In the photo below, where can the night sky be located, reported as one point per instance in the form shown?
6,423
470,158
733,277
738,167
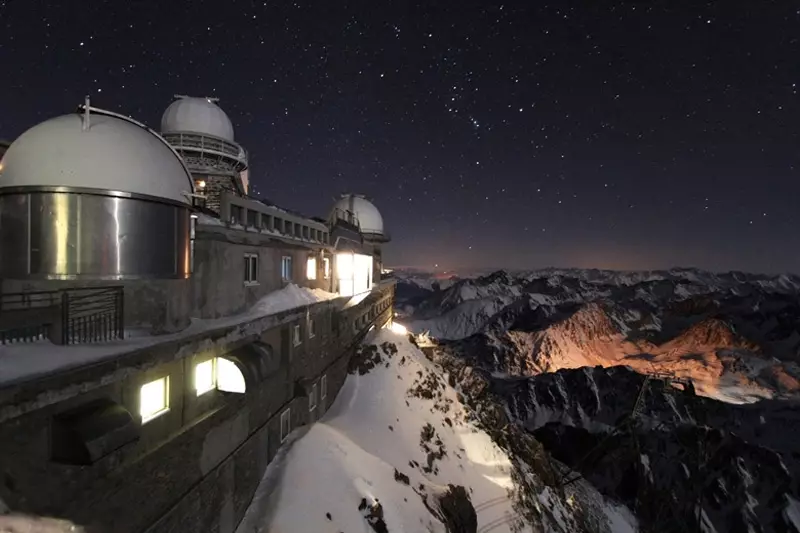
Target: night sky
520,134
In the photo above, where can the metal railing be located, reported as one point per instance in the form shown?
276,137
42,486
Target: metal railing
67,316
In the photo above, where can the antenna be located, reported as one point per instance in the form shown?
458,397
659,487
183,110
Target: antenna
86,114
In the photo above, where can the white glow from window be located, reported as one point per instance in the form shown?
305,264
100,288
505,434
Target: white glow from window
400,329
154,399
229,377
204,377
311,268
354,272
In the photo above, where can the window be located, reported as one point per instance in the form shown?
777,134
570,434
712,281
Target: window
312,398
323,387
154,399
288,227
311,328
228,376
286,268
278,224
311,268
326,265
286,423
252,218
205,377
236,214
296,339
266,222
250,269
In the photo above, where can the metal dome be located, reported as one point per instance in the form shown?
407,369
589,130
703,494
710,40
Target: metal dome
112,153
197,115
369,218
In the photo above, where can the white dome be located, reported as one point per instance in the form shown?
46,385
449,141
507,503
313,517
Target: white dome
113,154
369,217
197,115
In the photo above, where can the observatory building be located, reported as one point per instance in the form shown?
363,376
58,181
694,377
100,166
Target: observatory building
202,134
3,147
161,331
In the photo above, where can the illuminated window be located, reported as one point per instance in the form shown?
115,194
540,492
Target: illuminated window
323,387
311,268
312,398
204,377
286,268
250,269
326,266
296,339
229,377
154,399
311,328
286,423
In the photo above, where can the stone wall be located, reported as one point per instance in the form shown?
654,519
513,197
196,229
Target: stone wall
195,467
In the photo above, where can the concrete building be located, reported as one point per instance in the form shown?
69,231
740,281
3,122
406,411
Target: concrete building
147,375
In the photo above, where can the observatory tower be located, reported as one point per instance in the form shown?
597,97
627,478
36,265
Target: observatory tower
202,134
355,210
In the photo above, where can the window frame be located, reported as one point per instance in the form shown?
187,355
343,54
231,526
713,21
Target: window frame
287,260
326,268
311,328
286,416
164,410
297,336
251,261
312,398
323,387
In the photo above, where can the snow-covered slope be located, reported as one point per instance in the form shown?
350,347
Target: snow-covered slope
391,453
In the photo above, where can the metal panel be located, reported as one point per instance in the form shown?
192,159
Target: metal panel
90,236
14,234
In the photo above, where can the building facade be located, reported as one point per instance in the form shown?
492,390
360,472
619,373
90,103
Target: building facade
147,376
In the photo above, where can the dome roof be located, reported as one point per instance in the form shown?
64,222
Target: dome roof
113,154
369,217
197,115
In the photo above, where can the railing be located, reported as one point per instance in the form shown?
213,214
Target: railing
67,316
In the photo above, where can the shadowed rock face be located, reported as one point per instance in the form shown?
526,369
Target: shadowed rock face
457,511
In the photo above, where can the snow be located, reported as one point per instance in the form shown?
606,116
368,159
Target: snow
372,430
289,297
353,449
26,360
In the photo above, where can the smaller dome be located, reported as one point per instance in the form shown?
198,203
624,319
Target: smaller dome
112,154
369,218
197,115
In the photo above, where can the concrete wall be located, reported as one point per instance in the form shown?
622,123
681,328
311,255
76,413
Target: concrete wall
157,305
196,467
220,288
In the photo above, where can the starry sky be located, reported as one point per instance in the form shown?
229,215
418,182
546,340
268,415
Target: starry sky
614,134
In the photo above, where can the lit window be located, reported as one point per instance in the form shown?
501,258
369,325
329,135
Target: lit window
229,377
326,265
311,328
286,424
296,340
311,268
204,378
323,387
154,399
286,268
312,398
250,269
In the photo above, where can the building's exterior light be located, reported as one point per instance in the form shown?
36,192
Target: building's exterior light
400,329
201,184
154,399
204,377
